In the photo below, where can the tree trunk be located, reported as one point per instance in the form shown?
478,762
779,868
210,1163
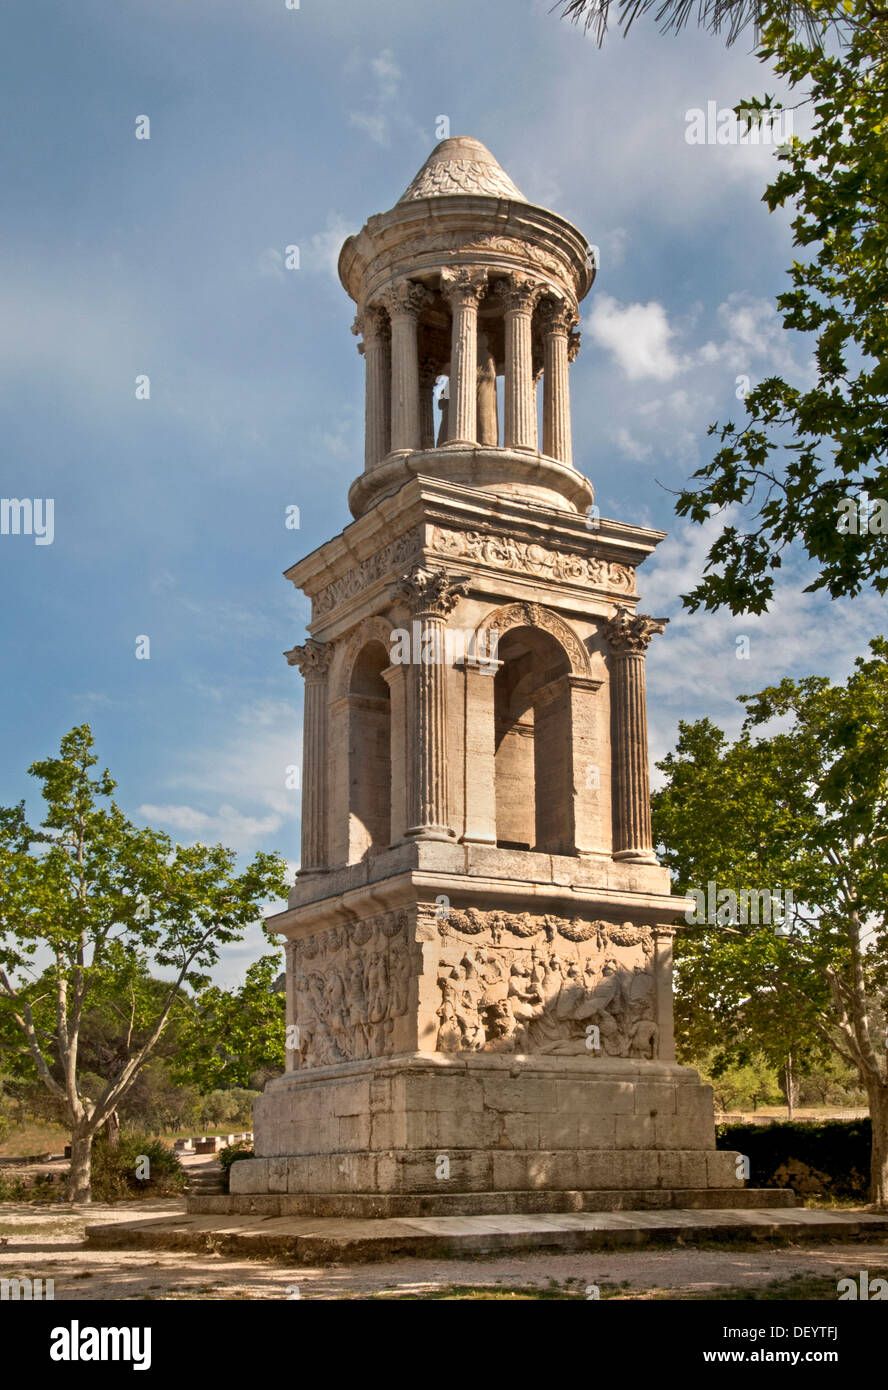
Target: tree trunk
79,1172
878,1108
789,1086
112,1130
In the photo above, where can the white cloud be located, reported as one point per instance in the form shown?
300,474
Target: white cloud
638,336
325,246
227,824
237,786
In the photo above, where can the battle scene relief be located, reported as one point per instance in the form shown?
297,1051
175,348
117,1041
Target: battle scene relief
350,985
549,985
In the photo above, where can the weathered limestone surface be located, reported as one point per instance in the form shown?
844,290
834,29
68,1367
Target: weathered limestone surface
479,940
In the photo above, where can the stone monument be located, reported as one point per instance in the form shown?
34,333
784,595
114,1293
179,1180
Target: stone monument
479,940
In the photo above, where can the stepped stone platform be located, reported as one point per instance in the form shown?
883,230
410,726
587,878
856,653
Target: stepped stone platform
325,1240
371,1206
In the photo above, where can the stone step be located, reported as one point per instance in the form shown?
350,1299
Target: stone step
320,1240
372,1206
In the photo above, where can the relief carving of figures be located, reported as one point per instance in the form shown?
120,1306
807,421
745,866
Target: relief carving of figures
505,552
550,997
350,984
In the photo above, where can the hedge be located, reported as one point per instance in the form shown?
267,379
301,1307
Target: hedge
813,1157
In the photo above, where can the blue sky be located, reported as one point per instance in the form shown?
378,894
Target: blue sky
121,257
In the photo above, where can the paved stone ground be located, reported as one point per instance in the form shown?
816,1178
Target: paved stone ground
48,1242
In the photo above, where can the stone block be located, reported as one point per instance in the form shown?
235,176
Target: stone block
354,1132
724,1169
351,1098
633,1131
654,1098
596,1131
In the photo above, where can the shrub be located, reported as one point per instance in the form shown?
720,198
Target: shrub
233,1153
232,1107
830,1157
114,1171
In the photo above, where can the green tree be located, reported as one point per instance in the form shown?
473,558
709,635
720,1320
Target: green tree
807,467
235,1037
104,900
800,807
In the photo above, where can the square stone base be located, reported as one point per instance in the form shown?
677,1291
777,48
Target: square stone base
438,1124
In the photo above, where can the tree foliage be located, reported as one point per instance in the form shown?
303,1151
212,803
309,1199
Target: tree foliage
107,903
235,1037
798,802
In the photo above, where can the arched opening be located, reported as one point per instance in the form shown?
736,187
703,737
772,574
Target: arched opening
533,761
369,754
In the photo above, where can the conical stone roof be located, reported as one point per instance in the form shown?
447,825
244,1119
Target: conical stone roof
461,165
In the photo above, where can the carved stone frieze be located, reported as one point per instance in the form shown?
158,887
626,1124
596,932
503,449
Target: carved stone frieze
521,557
349,985
392,556
539,994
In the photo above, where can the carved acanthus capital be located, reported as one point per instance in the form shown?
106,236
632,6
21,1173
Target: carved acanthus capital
373,326
463,285
573,344
558,316
433,592
406,297
520,293
313,659
629,634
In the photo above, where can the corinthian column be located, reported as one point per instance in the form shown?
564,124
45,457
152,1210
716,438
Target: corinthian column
558,318
376,349
313,660
431,596
628,634
463,288
404,302
519,295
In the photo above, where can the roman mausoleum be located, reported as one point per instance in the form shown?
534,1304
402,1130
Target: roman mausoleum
479,939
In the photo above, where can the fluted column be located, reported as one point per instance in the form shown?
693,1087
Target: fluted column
628,635
430,596
558,318
404,302
463,288
519,295
313,660
376,349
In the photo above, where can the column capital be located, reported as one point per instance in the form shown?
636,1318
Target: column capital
313,659
519,293
574,339
463,284
432,592
371,324
405,297
558,316
629,634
